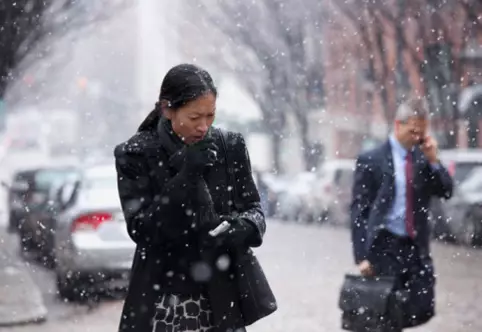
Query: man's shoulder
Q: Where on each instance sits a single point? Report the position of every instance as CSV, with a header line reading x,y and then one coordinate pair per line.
x,y
137,144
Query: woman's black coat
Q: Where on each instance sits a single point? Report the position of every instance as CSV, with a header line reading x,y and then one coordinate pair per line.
x,y
160,206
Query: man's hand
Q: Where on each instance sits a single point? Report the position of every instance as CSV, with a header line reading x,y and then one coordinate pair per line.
x,y
430,149
366,268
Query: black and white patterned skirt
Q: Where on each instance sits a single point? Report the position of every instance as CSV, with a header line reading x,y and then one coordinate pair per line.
x,y
184,313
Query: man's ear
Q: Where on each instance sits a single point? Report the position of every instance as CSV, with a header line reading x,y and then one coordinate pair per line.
x,y
396,125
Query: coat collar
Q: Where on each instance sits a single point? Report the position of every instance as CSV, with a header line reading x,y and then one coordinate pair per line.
x,y
387,164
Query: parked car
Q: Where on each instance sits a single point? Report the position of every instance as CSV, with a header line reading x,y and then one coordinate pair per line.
x,y
463,213
39,225
293,200
331,191
24,152
276,186
460,163
92,248
19,192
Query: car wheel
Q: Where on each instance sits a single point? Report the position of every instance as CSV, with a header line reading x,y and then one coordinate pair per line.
x,y
440,230
478,233
476,229
472,235
331,218
12,224
321,218
67,288
48,260
48,252
26,242
309,217
71,288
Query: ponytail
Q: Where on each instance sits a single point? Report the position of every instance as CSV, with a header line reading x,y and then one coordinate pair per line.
x,y
151,119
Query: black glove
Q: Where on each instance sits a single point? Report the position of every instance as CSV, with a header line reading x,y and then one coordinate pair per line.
x,y
237,234
198,156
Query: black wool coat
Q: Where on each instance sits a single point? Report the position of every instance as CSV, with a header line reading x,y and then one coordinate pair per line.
x,y
161,208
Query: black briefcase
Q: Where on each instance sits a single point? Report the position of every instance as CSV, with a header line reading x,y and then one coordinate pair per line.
x,y
371,304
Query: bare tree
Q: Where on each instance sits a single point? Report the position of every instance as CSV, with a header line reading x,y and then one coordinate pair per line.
x,y
25,25
370,38
430,34
277,56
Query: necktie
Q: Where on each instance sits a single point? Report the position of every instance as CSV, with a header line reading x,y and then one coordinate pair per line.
x,y
409,217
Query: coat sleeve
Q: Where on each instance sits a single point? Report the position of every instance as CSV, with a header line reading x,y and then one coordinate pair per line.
x,y
360,207
153,218
248,200
440,181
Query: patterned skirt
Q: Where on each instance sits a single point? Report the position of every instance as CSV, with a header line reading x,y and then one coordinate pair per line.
x,y
184,313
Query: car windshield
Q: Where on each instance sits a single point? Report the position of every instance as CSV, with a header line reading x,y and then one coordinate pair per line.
x,y
473,182
463,170
44,179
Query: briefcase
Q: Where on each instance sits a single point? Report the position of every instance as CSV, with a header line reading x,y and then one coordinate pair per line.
x,y
371,304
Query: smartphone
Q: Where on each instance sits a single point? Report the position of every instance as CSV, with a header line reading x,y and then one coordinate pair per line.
x,y
221,228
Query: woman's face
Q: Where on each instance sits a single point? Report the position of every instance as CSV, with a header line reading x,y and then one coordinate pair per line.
x,y
192,121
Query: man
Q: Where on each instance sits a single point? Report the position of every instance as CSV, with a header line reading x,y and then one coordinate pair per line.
x,y
389,212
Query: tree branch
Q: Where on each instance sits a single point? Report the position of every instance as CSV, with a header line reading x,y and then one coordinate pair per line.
x,y
27,25
386,17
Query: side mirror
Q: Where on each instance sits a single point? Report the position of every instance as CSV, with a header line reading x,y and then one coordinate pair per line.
x,y
5,185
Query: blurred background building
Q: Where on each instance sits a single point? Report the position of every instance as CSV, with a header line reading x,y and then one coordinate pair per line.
x,y
304,83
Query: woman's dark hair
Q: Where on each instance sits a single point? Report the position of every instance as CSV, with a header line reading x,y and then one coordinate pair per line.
x,y
181,85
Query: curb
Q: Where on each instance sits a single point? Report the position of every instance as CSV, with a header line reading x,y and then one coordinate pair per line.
x,y
21,301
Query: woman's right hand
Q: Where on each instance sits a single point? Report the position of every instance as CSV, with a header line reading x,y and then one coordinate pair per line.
x,y
199,155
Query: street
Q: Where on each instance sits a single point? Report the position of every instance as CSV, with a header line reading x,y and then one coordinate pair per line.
x,y
305,265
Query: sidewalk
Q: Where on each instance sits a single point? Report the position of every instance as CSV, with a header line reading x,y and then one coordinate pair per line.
x,y
21,301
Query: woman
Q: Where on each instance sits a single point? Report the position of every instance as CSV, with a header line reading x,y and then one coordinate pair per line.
x,y
178,179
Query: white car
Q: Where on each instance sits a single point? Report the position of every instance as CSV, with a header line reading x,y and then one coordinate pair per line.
x,y
93,250
331,191
293,200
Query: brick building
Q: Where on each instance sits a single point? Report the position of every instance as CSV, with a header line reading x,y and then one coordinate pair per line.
x,y
441,54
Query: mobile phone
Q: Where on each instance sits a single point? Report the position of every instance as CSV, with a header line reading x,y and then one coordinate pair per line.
x,y
221,228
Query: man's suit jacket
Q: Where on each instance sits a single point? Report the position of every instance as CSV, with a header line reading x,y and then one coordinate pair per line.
x,y
374,191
